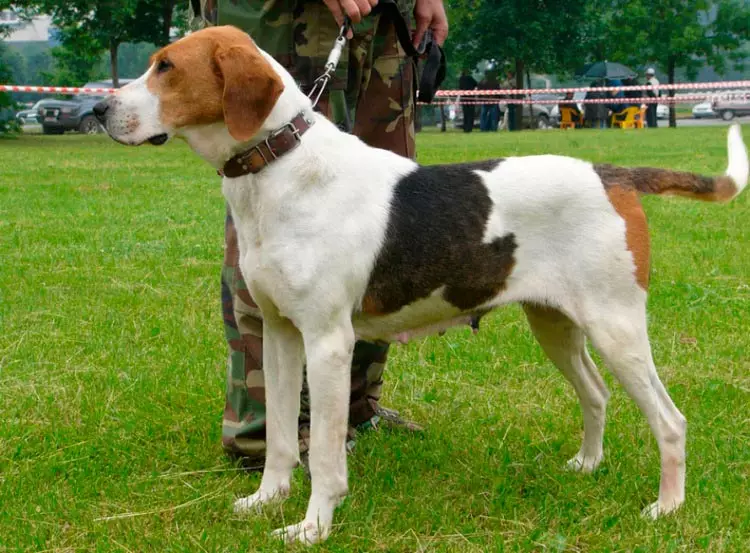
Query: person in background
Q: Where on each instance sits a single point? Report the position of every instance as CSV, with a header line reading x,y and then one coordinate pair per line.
x,y
616,106
633,96
575,114
371,93
467,82
653,92
595,114
489,116
509,118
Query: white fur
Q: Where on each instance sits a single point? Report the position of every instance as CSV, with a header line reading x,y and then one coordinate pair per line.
x,y
310,226
738,164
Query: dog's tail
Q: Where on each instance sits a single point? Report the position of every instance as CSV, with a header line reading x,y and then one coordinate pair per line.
x,y
663,181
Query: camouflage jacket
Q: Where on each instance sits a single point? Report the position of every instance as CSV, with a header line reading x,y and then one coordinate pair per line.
x,y
297,33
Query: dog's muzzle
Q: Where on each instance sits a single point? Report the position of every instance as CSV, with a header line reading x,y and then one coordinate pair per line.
x,y
120,126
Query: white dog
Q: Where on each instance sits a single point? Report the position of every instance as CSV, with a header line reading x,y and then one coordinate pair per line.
x,y
340,241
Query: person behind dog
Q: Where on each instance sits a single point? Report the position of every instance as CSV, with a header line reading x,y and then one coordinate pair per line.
x,y
489,115
651,120
616,106
575,113
633,96
467,82
372,91
595,114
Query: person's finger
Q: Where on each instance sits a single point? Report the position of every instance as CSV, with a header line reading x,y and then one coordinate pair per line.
x,y
422,24
439,24
440,32
351,8
364,7
335,7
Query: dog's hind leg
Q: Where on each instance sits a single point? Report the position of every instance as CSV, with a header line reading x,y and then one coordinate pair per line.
x,y
283,358
565,344
620,335
329,350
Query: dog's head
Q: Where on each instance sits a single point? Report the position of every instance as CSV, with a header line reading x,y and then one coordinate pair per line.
x,y
212,76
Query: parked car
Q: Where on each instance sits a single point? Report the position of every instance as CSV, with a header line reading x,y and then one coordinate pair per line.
x,y
58,116
731,104
703,110
30,116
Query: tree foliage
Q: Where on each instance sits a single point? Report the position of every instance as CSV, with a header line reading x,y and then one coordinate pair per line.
x,y
545,35
86,28
672,34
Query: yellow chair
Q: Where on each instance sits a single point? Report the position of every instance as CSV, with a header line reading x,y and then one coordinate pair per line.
x,y
570,118
629,118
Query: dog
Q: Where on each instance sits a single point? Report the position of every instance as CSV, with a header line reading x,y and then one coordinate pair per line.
x,y
340,241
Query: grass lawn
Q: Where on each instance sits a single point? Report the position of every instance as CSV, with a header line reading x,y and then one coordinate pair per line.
x,y
112,368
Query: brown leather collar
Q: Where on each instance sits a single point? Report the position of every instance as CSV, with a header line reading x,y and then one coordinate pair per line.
x,y
280,142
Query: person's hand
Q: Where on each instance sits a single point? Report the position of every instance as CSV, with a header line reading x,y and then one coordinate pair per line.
x,y
430,14
355,9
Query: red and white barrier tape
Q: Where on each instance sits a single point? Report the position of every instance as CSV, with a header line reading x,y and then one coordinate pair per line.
x,y
55,89
677,86
440,93
620,100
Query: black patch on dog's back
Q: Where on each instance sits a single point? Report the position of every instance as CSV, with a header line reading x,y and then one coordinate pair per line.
x,y
438,217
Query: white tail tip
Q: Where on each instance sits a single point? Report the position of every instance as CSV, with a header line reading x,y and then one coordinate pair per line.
x,y
737,169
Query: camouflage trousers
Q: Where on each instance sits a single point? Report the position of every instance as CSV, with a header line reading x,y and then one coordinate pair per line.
x,y
378,99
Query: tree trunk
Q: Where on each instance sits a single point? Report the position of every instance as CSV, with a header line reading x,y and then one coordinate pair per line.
x,y
518,123
532,123
670,78
113,47
168,10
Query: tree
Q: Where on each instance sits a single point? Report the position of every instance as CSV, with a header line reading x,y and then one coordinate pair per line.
x,y
537,35
88,27
674,34
8,62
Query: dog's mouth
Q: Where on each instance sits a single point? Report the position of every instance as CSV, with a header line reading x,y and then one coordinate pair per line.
x,y
159,139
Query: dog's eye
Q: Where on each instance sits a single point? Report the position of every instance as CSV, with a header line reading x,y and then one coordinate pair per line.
x,y
164,66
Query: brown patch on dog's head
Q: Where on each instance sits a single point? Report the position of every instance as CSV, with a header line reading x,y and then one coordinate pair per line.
x,y
217,74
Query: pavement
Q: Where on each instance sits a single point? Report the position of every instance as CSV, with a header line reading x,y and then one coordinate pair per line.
x,y
706,122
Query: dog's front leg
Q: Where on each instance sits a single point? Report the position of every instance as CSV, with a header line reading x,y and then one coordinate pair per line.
x,y
283,357
329,356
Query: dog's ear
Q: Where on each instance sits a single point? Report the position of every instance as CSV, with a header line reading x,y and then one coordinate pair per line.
x,y
251,88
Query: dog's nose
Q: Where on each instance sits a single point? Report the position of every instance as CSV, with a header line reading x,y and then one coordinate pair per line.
x,y
100,111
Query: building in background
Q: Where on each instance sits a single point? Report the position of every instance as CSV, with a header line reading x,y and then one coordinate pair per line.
x,y
36,30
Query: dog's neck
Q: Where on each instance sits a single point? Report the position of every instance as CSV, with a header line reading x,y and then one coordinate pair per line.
x,y
214,143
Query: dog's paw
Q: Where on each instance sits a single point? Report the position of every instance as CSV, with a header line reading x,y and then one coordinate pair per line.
x,y
582,463
308,532
657,509
254,503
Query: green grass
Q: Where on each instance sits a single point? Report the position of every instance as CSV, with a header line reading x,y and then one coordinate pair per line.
x,y
112,375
